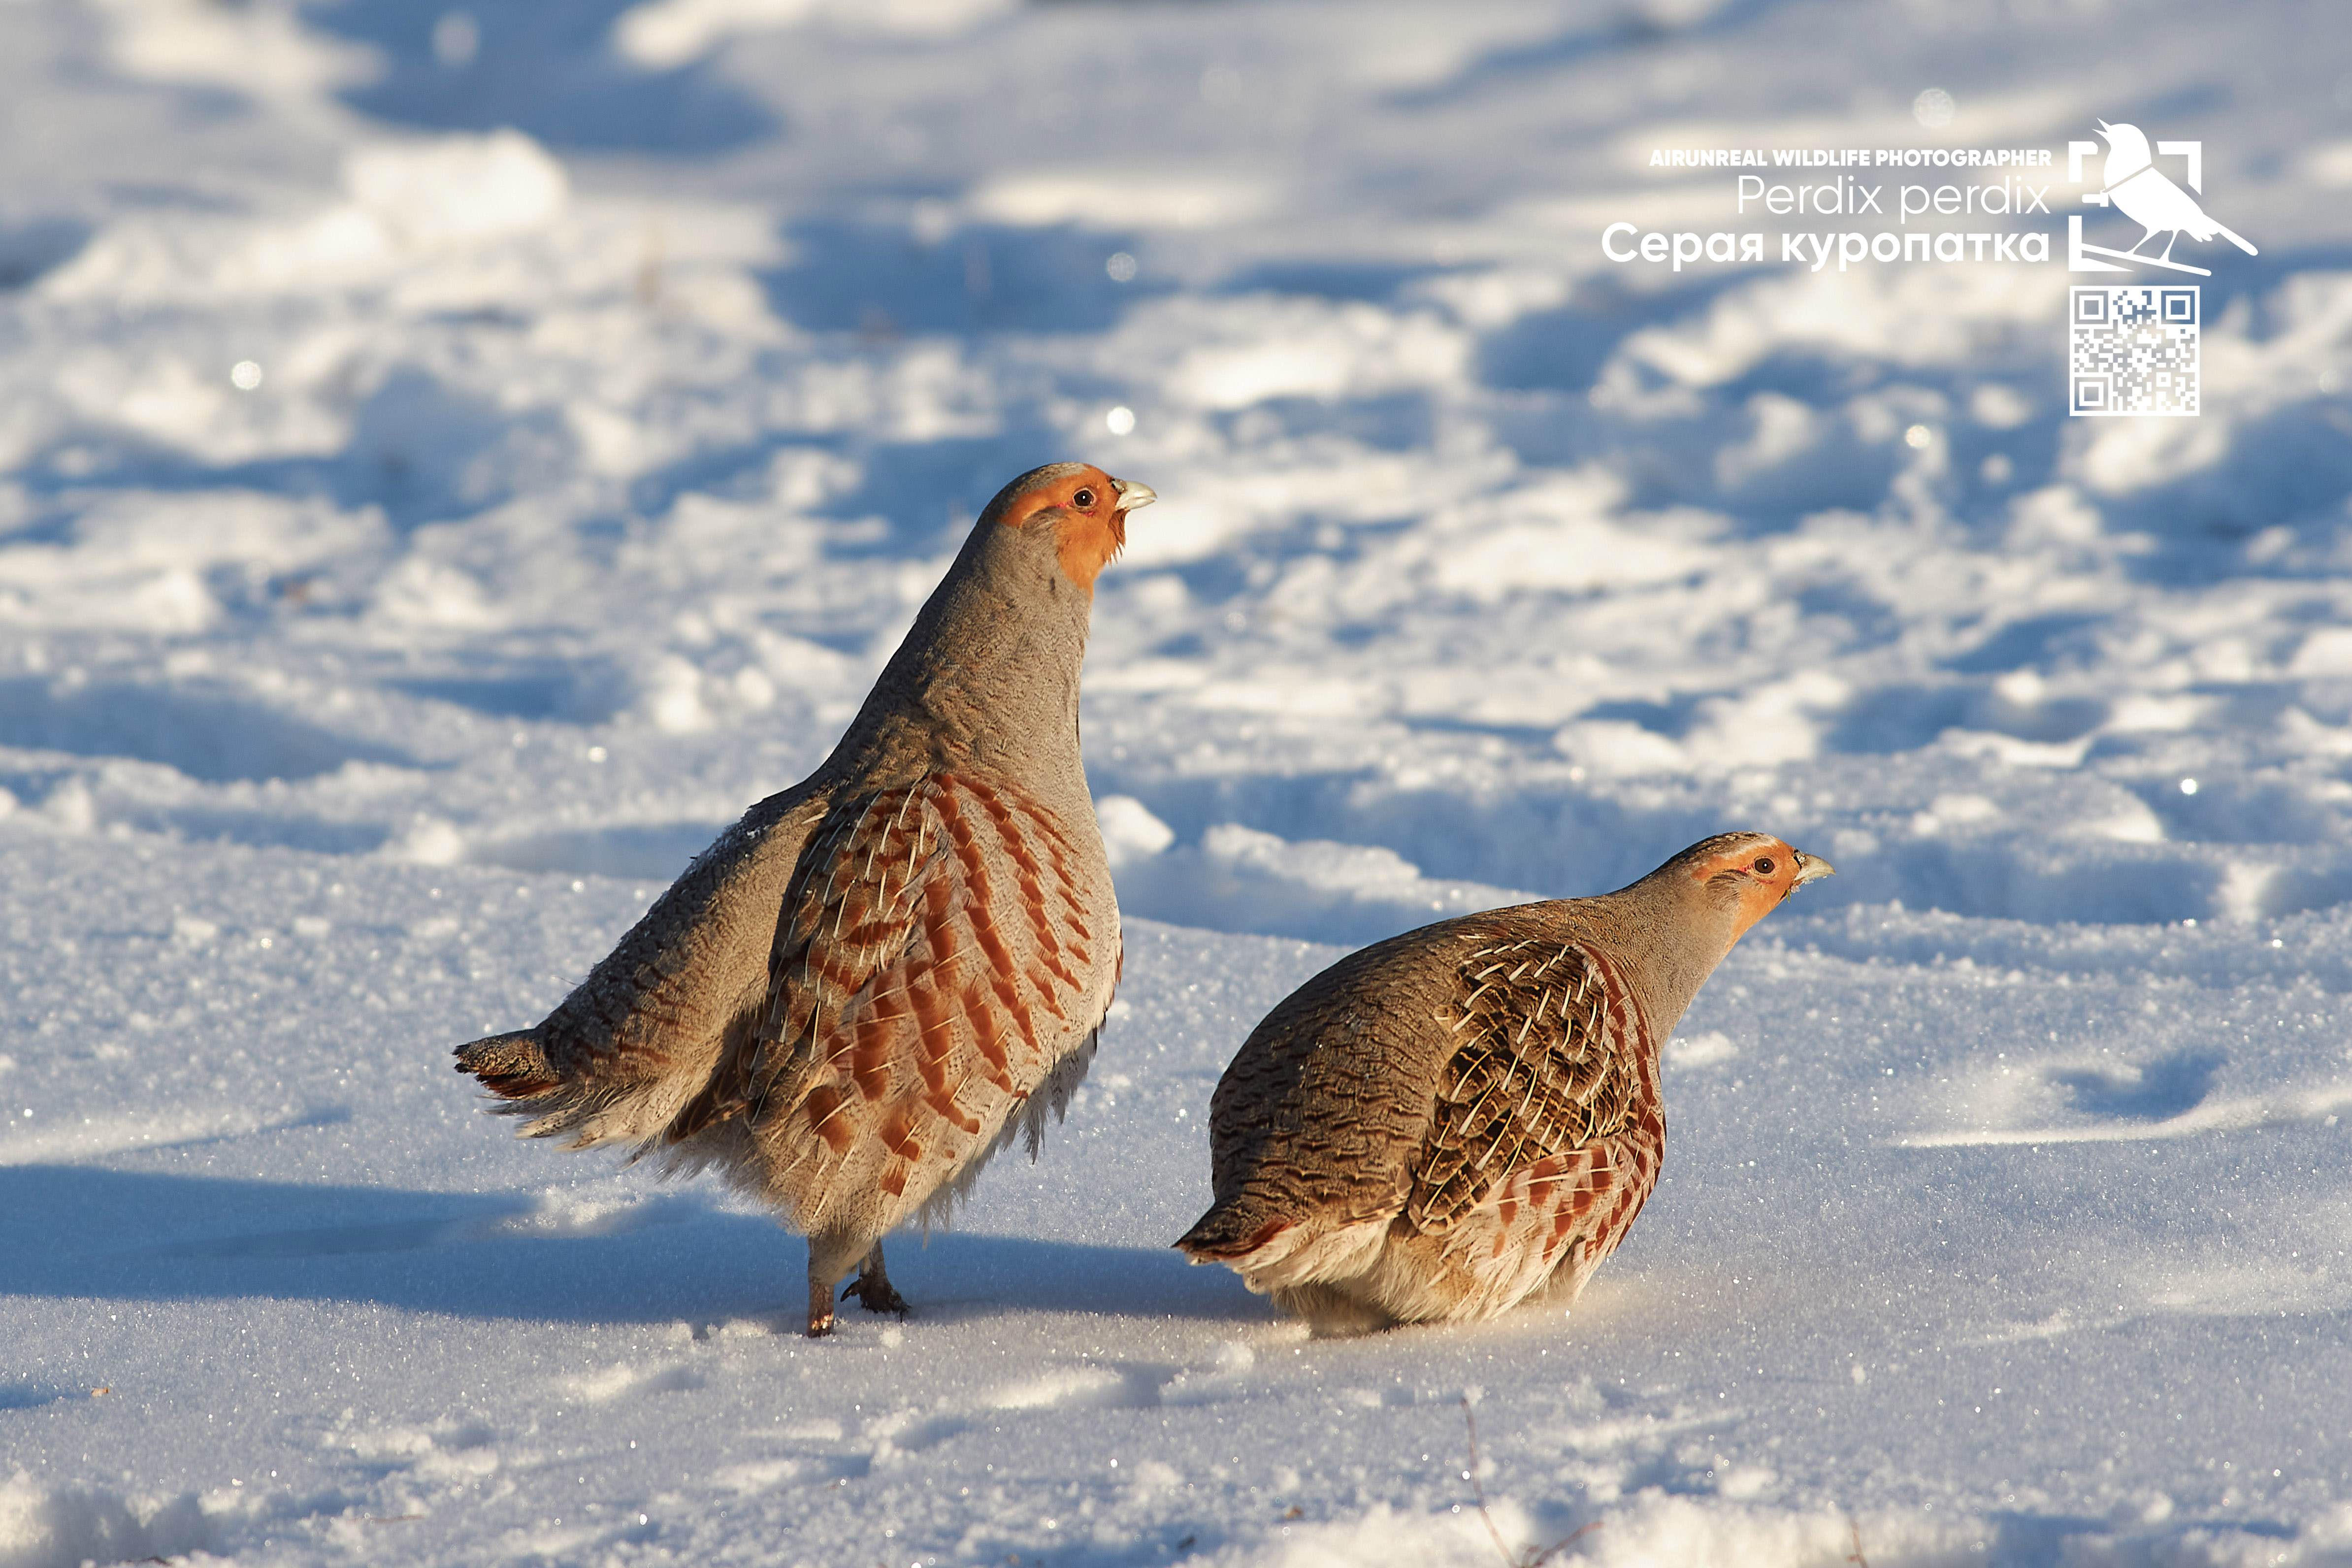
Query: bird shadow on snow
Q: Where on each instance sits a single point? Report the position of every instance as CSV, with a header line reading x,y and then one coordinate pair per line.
x,y
70,1231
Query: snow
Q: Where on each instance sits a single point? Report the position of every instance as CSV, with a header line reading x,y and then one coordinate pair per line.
x,y
451,463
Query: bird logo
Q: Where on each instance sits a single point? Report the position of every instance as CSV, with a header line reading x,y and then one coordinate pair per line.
x,y
2136,188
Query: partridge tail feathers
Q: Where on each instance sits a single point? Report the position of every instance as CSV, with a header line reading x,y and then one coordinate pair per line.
x,y
511,1067
1329,1274
587,1108
1230,1232
1273,1253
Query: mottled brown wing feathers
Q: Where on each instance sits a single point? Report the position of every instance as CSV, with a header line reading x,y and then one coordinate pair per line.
x,y
849,914
932,942
1541,1070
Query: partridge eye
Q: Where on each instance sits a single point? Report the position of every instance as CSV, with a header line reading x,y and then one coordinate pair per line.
x,y
1083,499
1764,866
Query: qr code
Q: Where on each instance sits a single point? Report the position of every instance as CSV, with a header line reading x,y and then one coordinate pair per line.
x,y
2132,349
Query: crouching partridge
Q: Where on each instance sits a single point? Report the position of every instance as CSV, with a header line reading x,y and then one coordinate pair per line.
x,y
1444,1123
876,979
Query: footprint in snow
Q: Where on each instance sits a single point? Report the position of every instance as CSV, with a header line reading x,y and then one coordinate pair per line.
x,y
2152,1091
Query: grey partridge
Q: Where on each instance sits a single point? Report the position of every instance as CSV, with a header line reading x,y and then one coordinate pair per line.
x,y
878,978
1441,1125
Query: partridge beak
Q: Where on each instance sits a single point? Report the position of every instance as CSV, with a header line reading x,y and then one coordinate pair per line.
x,y
1132,495
1810,868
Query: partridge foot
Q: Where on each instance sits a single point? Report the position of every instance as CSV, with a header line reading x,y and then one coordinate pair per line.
x,y
872,1286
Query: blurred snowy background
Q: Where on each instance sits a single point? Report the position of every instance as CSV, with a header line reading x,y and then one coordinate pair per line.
x,y
451,461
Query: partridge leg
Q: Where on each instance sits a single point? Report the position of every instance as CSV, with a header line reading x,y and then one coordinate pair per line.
x,y
831,1255
872,1286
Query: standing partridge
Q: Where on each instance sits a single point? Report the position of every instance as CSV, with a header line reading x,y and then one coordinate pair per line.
x,y
867,986
1442,1123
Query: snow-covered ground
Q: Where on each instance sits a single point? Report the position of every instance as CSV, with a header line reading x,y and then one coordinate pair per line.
x,y
451,462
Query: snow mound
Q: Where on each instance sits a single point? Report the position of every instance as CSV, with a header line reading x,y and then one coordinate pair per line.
x,y
63,1528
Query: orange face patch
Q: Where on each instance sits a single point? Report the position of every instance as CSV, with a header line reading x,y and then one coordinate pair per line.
x,y
1762,871
1090,531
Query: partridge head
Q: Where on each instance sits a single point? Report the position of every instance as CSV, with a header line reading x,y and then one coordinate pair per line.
x,y
880,976
1442,1124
